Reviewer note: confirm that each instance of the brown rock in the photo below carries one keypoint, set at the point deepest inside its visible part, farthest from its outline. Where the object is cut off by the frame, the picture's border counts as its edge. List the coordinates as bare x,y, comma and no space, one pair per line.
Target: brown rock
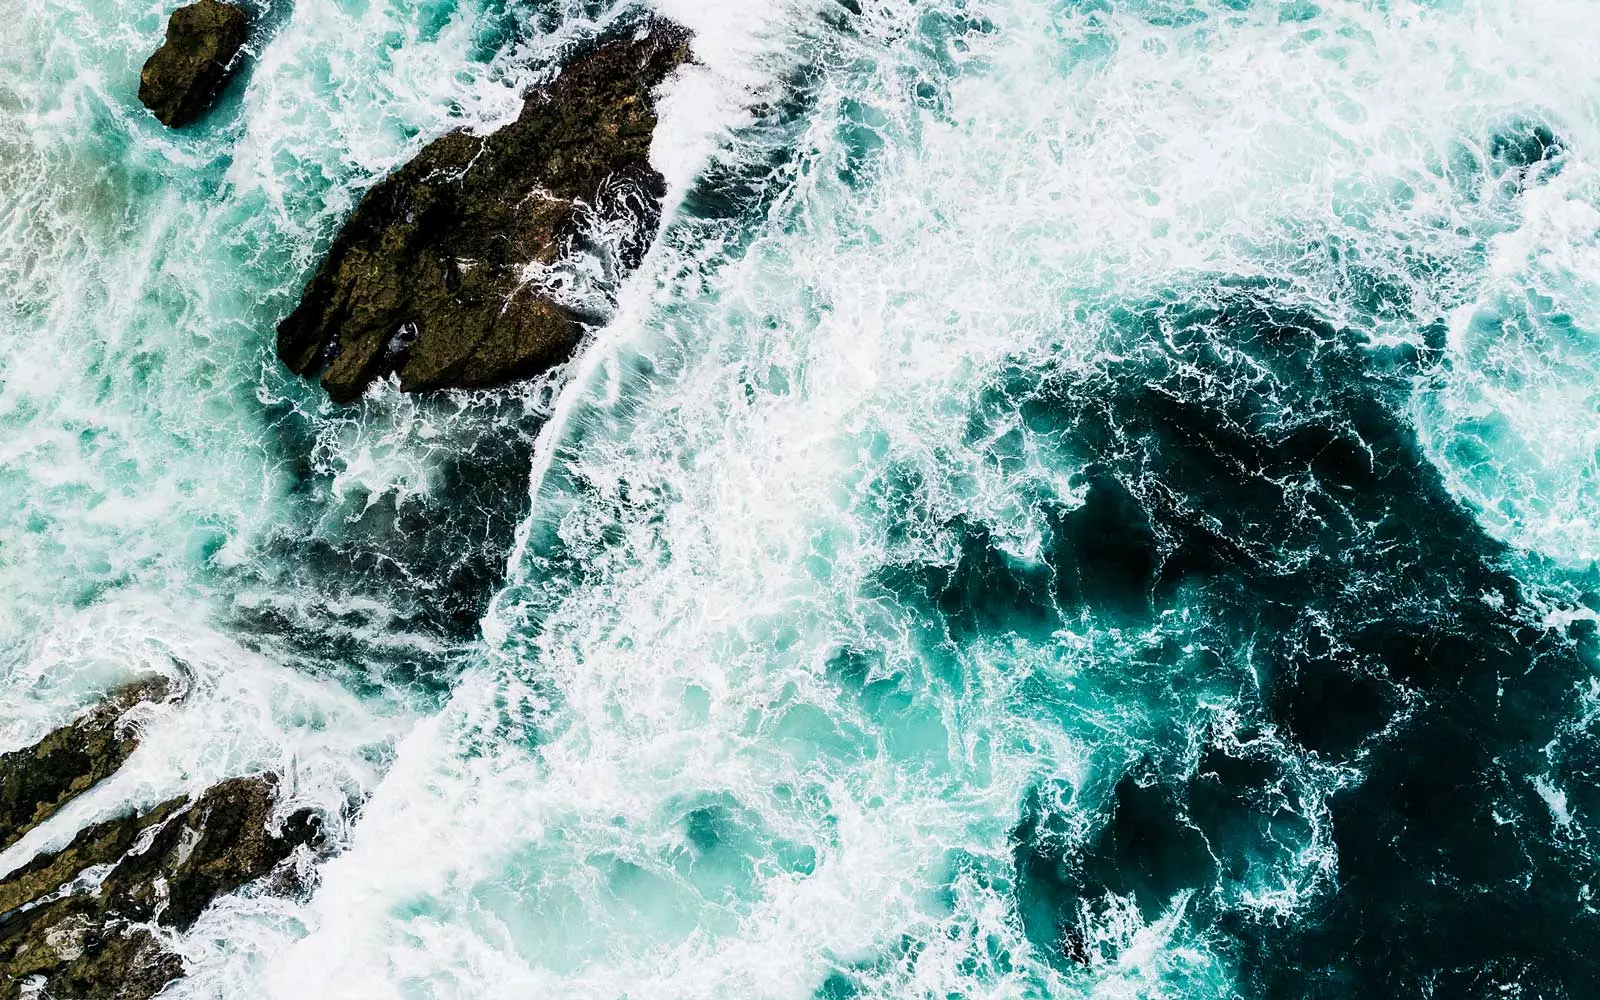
426,278
217,844
77,940
100,844
38,781
183,77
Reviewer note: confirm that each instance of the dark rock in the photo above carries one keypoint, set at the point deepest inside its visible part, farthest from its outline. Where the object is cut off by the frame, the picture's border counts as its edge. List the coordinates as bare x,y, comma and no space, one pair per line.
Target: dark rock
69,952
100,844
58,930
181,78
214,846
37,781
426,278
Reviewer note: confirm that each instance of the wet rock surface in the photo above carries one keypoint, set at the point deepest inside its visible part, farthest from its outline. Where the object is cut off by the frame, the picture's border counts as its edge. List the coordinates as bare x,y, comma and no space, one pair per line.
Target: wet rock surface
82,921
430,276
61,930
183,77
37,781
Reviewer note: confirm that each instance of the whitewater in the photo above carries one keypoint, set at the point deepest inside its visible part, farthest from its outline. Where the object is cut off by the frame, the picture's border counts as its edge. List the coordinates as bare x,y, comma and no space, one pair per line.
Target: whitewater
1082,498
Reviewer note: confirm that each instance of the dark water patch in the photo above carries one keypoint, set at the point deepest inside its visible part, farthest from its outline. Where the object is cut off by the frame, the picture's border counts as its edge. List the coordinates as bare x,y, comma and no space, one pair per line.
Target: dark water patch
1329,696
1252,811
986,591
1147,849
1195,833
1524,143
1490,170
1105,554
390,589
1398,707
837,986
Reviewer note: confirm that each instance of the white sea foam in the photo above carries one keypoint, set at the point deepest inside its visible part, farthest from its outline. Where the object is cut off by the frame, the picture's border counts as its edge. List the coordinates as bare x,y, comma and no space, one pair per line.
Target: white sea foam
654,780
1514,424
727,519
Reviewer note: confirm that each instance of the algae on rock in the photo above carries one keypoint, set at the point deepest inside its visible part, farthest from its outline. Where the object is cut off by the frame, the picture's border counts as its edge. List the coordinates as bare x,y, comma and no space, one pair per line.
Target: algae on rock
79,922
77,933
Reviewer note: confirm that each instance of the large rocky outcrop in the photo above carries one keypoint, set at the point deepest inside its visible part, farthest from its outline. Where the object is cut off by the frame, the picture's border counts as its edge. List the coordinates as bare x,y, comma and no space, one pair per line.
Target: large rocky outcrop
77,923
428,276
183,77
37,781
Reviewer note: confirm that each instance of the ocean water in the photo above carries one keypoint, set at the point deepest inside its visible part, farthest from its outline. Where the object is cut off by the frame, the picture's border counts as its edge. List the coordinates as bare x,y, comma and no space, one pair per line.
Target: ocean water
1083,498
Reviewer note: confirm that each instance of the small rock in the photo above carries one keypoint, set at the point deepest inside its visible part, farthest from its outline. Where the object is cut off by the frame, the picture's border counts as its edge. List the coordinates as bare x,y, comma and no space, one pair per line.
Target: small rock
38,781
427,278
183,77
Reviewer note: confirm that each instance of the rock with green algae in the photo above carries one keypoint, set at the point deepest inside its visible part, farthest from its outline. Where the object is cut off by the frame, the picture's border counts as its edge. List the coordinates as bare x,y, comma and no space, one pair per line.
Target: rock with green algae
428,278
72,927
37,781
183,77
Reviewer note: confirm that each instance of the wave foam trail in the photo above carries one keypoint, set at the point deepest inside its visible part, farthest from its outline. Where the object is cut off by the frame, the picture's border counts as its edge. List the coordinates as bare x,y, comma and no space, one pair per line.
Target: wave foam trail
1036,524
787,676
170,501
1512,424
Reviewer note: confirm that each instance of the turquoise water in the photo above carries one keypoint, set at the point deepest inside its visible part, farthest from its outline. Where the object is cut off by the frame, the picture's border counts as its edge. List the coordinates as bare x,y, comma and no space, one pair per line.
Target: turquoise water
1083,499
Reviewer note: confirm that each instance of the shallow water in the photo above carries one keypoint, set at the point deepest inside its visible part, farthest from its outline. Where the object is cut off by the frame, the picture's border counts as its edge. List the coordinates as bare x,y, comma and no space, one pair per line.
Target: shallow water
1083,499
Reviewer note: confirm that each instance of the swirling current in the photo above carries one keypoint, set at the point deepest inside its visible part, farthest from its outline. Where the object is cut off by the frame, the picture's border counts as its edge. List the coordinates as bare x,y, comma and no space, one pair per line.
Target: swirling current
1082,498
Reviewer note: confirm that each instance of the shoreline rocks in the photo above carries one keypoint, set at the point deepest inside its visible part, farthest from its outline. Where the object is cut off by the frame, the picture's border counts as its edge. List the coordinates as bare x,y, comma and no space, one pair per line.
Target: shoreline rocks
77,922
37,781
181,79
429,276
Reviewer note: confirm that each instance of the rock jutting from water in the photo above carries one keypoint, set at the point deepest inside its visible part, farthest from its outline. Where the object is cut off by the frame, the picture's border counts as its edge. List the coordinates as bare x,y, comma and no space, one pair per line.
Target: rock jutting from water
183,77
430,276
37,781
76,922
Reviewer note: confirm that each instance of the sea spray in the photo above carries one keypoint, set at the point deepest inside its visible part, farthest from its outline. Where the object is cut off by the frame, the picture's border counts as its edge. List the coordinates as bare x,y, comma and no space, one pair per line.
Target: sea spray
158,465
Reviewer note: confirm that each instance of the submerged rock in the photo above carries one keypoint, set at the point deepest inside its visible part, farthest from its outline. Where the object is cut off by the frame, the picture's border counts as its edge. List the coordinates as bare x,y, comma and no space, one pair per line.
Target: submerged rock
183,77
39,780
68,929
429,277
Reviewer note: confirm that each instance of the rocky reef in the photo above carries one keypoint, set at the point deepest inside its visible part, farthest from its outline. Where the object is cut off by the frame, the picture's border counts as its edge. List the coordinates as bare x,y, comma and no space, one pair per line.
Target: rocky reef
37,781
183,77
82,921
430,276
